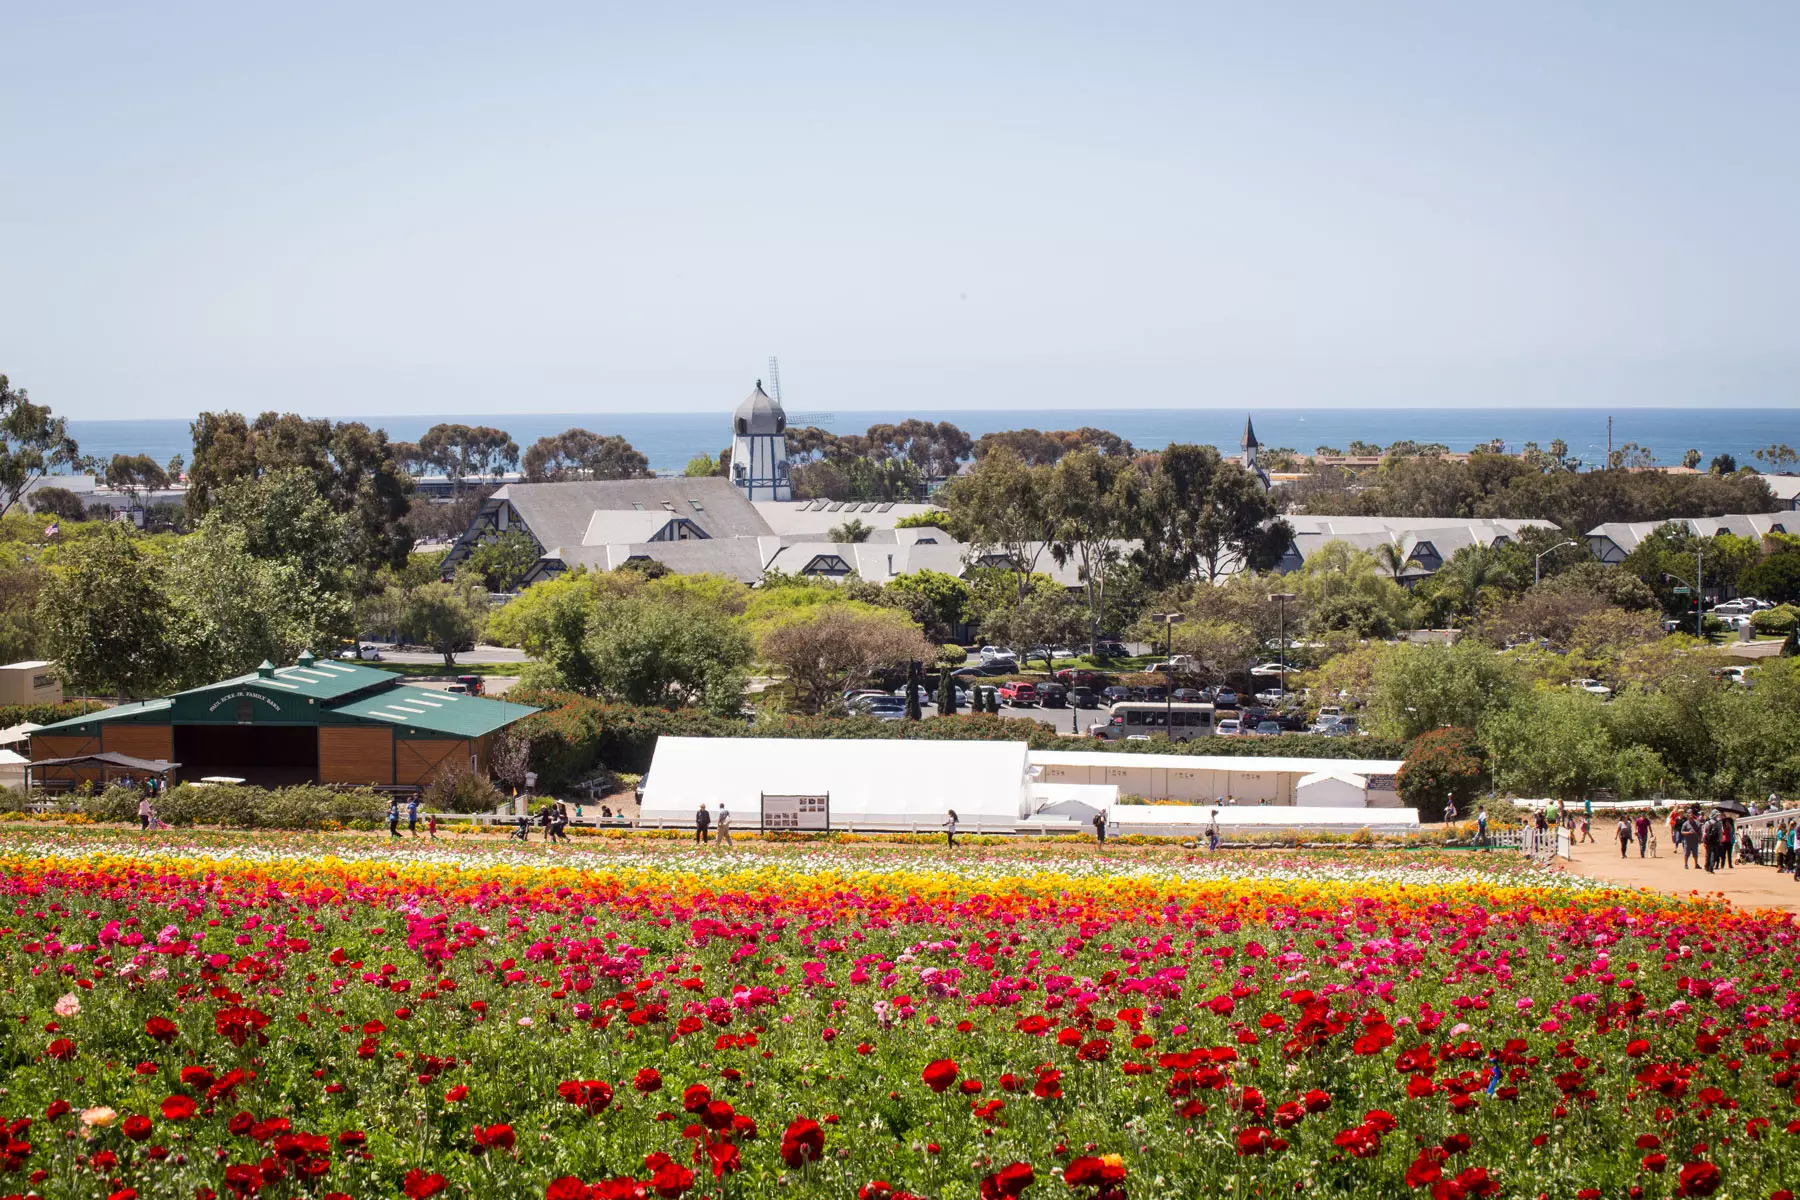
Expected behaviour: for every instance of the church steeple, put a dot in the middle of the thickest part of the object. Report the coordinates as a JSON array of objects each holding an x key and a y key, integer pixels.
[
  {"x": 1249, "y": 442},
  {"x": 1250, "y": 456}
]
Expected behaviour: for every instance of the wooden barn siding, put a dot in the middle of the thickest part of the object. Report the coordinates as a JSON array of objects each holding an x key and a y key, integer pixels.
[
  {"x": 354, "y": 754},
  {"x": 420, "y": 760},
  {"x": 140, "y": 741}
]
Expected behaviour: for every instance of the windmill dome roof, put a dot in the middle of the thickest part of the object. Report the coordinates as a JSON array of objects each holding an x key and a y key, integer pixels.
[{"x": 760, "y": 413}]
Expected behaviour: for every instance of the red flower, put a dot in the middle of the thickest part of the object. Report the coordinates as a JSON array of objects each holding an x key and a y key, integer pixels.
[
  {"x": 669, "y": 1179},
  {"x": 177, "y": 1108},
  {"x": 456, "y": 1094},
  {"x": 421, "y": 1186},
  {"x": 648, "y": 1080},
  {"x": 238, "y": 1025},
  {"x": 939, "y": 1074},
  {"x": 56, "y": 1109},
  {"x": 802, "y": 1142},
  {"x": 724, "y": 1158},
  {"x": 1655, "y": 1162},
  {"x": 136, "y": 1127},
  {"x": 1108, "y": 1170},
  {"x": 161, "y": 1028},
  {"x": 1008, "y": 1182},
  {"x": 197, "y": 1077},
  {"x": 1254, "y": 1140},
  {"x": 62, "y": 1049},
  {"x": 696, "y": 1097},
  {"x": 622, "y": 1187},
  {"x": 590, "y": 1094},
  {"x": 567, "y": 1188},
  {"x": 1699, "y": 1179},
  {"x": 493, "y": 1137}
]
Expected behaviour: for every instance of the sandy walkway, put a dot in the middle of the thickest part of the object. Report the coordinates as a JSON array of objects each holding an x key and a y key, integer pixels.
[{"x": 1746, "y": 887}]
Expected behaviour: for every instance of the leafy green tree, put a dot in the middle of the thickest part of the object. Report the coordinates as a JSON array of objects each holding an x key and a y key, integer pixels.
[
  {"x": 22, "y": 577},
  {"x": 1780, "y": 457},
  {"x": 1040, "y": 620},
  {"x": 939, "y": 602},
  {"x": 1001, "y": 509},
  {"x": 106, "y": 619},
  {"x": 232, "y": 609},
  {"x": 284, "y": 518},
  {"x": 935, "y": 519},
  {"x": 1418, "y": 688},
  {"x": 824, "y": 649},
  {"x": 1344, "y": 588},
  {"x": 1458, "y": 588},
  {"x": 131, "y": 475},
  {"x": 580, "y": 454},
  {"x": 651, "y": 651},
  {"x": 501, "y": 562},
  {"x": 702, "y": 466},
  {"x": 1691, "y": 459},
  {"x": 1090, "y": 502},
  {"x": 1775, "y": 578},
  {"x": 1200, "y": 516},
  {"x": 33, "y": 443},
  {"x": 463, "y": 452},
  {"x": 446, "y": 616},
  {"x": 58, "y": 502},
  {"x": 1557, "y": 743}
]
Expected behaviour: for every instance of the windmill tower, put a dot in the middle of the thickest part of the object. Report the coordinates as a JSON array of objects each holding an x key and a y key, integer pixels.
[{"x": 759, "y": 457}]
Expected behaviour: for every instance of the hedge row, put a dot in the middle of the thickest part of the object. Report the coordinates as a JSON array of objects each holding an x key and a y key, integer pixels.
[
  {"x": 576, "y": 734},
  {"x": 304, "y": 807},
  {"x": 46, "y": 714}
]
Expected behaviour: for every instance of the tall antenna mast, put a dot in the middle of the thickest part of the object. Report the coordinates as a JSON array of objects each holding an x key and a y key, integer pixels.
[{"x": 775, "y": 378}]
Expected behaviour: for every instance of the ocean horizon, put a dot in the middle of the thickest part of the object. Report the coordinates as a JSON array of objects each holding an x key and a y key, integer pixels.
[{"x": 670, "y": 439}]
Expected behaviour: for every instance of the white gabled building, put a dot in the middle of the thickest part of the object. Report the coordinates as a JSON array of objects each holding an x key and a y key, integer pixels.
[
  {"x": 1613, "y": 541},
  {"x": 759, "y": 455}
]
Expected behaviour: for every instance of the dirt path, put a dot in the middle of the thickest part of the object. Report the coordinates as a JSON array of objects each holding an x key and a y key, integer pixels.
[{"x": 1745, "y": 886}]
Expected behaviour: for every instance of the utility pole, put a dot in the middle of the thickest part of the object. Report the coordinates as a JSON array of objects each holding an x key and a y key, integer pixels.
[
  {"x": 1282, "y": 599},
  {"x": 1169, "y": 621}
]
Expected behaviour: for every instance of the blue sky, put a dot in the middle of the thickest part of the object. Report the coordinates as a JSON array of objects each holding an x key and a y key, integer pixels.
[{"x": 355, "y": 209}]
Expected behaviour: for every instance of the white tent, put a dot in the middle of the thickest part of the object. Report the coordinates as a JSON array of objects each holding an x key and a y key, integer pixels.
[
  {"x": 897, "y": 784},
  {"x": 1201, "y": 778},
  {"x": 1332, "y": 789},
  {"x": 12, "y": 769},
  {"x": 14, "y": 734},
  {"x": 1190, "y": 820}
]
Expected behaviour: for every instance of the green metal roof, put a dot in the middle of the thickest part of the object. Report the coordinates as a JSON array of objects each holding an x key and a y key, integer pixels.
[
  {"x": 118, "y": 712},
  {"x": 326, "y": 679},
  {"x": 428, "y": 711}
]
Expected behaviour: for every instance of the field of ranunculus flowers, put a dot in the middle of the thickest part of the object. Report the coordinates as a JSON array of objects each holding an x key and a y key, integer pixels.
[{"x": 197, "y": 1016}]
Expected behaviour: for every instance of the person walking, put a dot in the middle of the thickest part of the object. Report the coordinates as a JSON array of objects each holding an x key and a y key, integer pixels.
[
  {"x": 1100, "y": 828},
  {"x": 1587, "y": 829},
  {"x": 1710, "y": 830},
  {"x": 950, "y": 830},
  {"x": 1212, "y": 831},
  {"x": 412, "y": 816},
  {"x": 1689, "y": 834},
  {"x": 394, "y": 817},
  {"x": 1728, "y": 841},
  {"x": 1450, "y": 812},
  {"x": 1624, "y": 836},
  {"x": 143, "y": 814},
  {"x": 1481, "y": 838},
  {"x": 1642, "y": 825},
  {"x": 431, "y": 826},
  {"x": 724, "y": 824},
  {"x": 702, "y": 822}
]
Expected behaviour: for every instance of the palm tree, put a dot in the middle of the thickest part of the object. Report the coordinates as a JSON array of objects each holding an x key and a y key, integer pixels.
[
  {"x": 1469, "y": 570},
  {"x": 1390, "y": 555}
]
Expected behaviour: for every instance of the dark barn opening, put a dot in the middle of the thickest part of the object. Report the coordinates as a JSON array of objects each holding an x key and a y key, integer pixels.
[{"x": 266, "y": 755}]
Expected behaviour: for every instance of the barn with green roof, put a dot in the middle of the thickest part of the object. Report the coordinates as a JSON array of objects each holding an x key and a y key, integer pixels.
[{"x": 318, "y": 721}]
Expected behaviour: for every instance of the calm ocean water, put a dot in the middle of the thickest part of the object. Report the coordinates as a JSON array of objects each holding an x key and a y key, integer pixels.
[{"x": 670, "y": 439}]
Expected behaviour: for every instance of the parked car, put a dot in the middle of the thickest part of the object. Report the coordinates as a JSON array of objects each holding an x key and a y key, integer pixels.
[
  {"x": 1018, "y": 693},
  {"x": 1110, "y": 648},
  {"x": 1225, "y": 698},
  {"x": 1342, "y": 727},
  {"x": 992, "y": 654},
  {"x": 1061, "y": 652},
  {"x": 1158, "y": 694},
  {"x": 361, "y": 652},
  {"x": 1592, "y": 687},
  {"x": 1188, "y": 696},
  {"x": 1328, "y": 713},
  {"x": 1115, "y": 695},
  {"x": 1275, "y": 696},
  {"x": 1229, "y": 727},
  {"x": 1076, "y": 677},
  {"x": 1290, "y": 722},
  {"x": 1083, "y": 697},
  {"x": 1179, "y": 663},
  {"x": 1266, "y": 668},
  {"x": 1733, "y": 608},
  {"x": 1267, "y": 728},
  {"x": 1052, "y": 695}
]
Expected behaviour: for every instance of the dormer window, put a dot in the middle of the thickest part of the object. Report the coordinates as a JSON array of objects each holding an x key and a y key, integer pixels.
[{"x": 743, "y": 427}]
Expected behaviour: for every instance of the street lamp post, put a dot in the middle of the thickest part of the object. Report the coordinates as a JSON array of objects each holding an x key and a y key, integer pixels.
[
  {"x": 1282, "y": 598},
  {"x": 1538, "y": 559},
  {"x": 1699, "y": 592},
  {"x": 1169, "y": 621}
]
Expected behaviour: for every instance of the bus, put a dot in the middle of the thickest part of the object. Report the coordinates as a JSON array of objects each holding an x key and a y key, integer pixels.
[{"x": 1154, "y": 719}]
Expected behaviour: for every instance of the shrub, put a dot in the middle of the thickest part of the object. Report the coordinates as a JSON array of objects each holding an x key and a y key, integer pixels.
[
  {"x": 239, "y": 806},
  {"x": 46, "y": 714},
  {"x": 462, "y": 791},
  {"x": 1442, "y": 764},
  {"x": 1780, "y": 619}
]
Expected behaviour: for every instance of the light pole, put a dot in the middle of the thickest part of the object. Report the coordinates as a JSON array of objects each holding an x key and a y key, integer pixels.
[
  {"x": 1699, "y": 592},
  {"x": 1282, "y": 599},
  {"x": 1169, "y": 621},
  {"x": 1537, "y": 561}
]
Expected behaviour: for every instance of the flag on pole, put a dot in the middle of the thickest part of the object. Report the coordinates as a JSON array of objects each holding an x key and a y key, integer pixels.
[{"x": 52, "y": 529}]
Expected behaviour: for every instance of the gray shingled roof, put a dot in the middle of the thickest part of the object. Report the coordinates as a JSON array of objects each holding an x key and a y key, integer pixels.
[{"x": 559, "y": 514}]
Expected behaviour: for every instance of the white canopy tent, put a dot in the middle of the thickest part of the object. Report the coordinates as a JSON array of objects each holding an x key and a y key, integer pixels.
[
  {"x": 1191, "y": 820},
  {"x": 875, "y": 784},
  {"x": 12, "y": 769},
  {"x": 1239, "y": 779}
]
